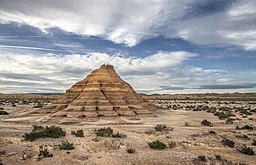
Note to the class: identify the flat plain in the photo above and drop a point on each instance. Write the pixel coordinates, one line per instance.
(193, 130)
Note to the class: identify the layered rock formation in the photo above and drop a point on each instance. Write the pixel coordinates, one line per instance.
(101, 93)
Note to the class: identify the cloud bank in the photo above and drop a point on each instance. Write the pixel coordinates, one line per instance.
(161, 72)
(130, 22)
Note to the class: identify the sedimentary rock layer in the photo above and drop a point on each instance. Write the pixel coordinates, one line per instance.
(101, 93)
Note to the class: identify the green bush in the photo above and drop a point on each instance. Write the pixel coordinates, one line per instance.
(44, 132)
(158, 145)
(108, 132)
(44, 153)
(118, 135)
(228, 142)
(66, 146)
(246, 150)
(161, 127)
(78, 133)
(206, 123)
(104, 132)
(130, 150)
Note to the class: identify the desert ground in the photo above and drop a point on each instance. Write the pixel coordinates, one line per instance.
(187, 139)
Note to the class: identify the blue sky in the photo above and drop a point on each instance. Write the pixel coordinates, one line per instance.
(158, 46)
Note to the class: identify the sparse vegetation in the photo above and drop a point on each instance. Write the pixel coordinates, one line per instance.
(254, 142)
(108, 132)
(172, 144)
(212, 132)
(187, 124)
(118, 135)
(223, 115)
(161, 127)
(66, 146)
(38, 106)
(43, 152)
(130, 150)
(246, 150)
(206, 123)
(246, 127)
(228, 142)
(218, 157)
(78, 133)
(44, 132)
(104, 132)
(4, 113)
(158, 145)
(201, 158)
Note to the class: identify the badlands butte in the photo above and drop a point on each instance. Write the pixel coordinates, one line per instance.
(102, 120)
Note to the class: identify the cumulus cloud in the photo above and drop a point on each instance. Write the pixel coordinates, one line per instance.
(129, 22)
(60, 71)
(161, 72)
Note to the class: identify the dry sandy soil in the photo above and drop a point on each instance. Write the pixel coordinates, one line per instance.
(191, 140)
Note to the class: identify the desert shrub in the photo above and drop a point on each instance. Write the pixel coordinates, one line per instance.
(108, 132)
(2, 152)
(201, 158)
(1, 108)
(161, 127)
(37, 127)
(172, 144)
(206, 123)
(104, 132)
(78, 133)
(4, 113)
(43, 152)
(218, 157)
(130, 150)
(38, 106)
(118, 135)
(187, 124)
(228, 142)
(246, 150)
(212, 132)
(158, 145)
(248, 127)
(243, 137)
(44, 132)
(223, 115)
(229, 121)
(66, 146)
(254, 142)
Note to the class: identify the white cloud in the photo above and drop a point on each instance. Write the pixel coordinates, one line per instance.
(126, 22)
(233, 26)
(162, 72)
(129, 22)
(61, 71)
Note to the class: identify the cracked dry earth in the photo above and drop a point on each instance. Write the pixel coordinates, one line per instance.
(191, 141)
